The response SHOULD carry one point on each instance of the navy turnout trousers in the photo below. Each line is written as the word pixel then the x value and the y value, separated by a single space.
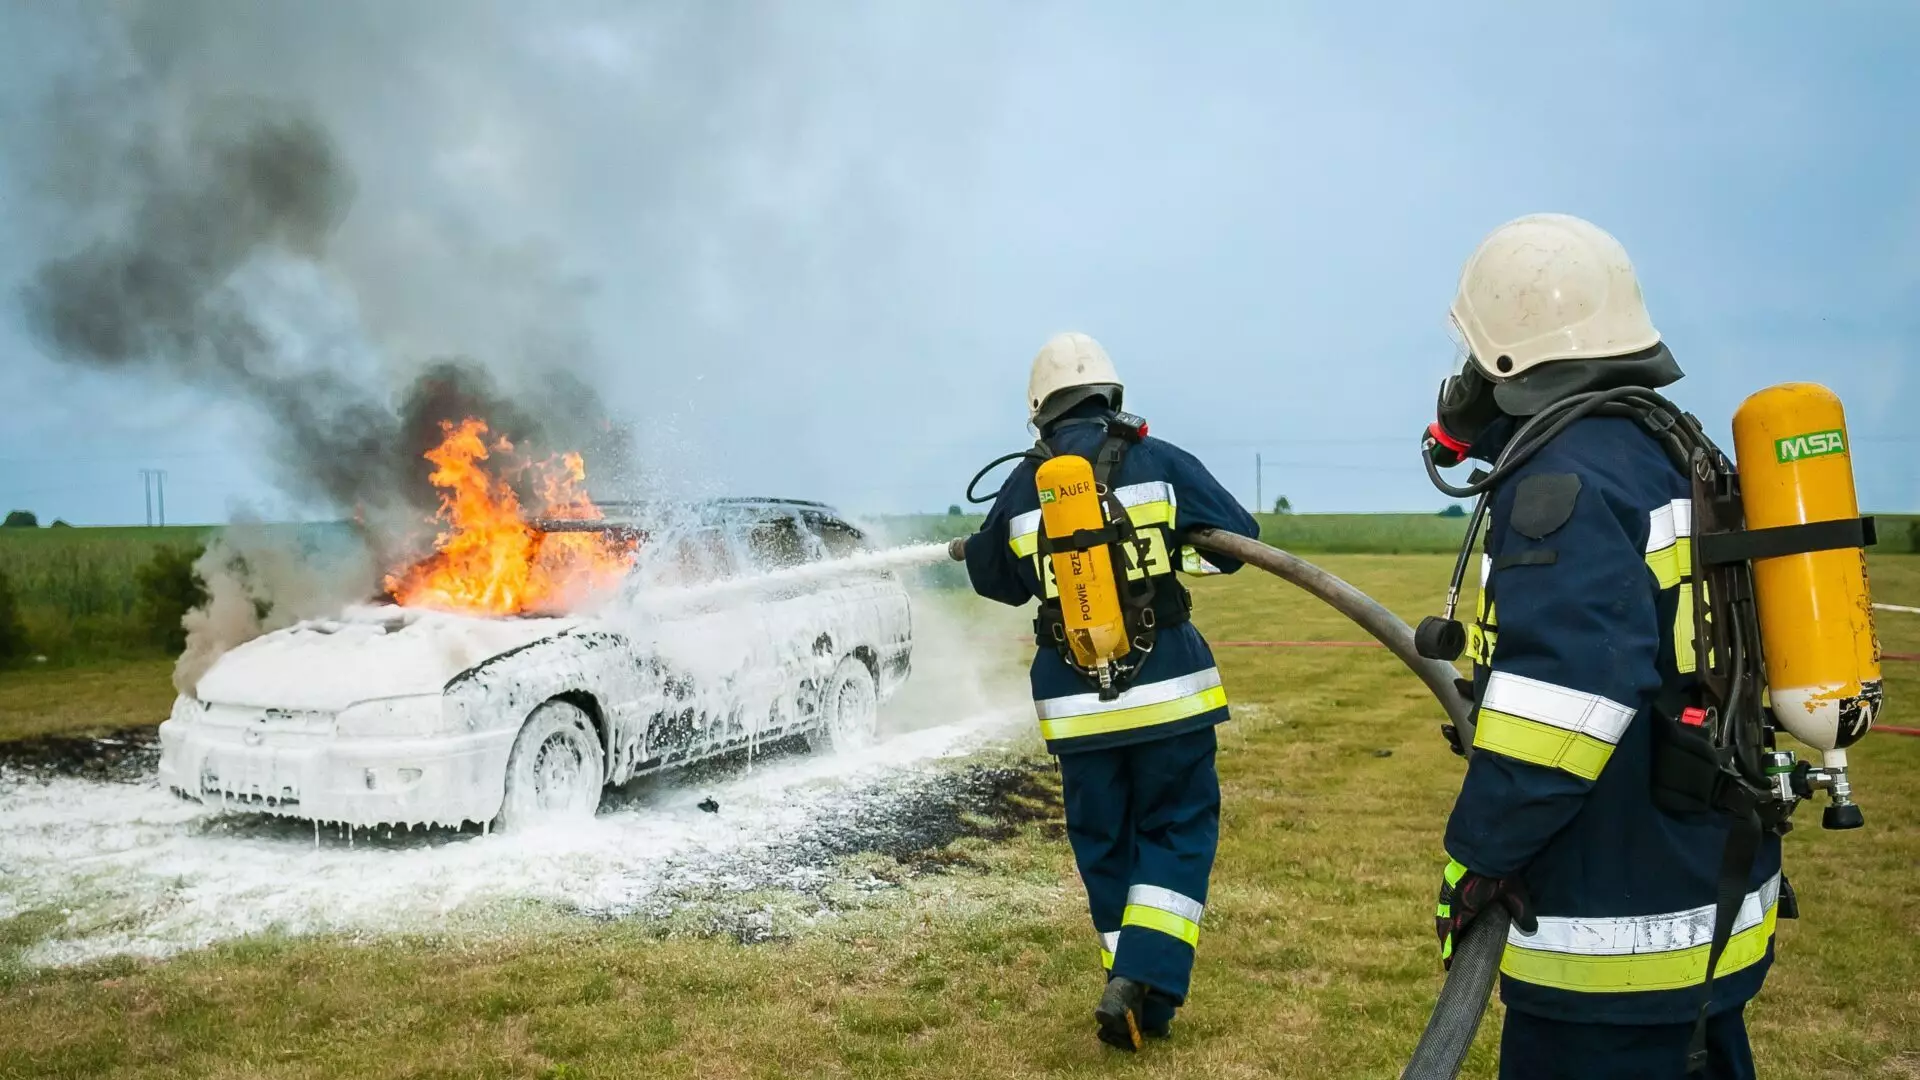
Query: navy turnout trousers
pixel 1144 821
pixel 1535 1048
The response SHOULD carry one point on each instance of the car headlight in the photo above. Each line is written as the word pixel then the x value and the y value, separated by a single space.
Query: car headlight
pixel 397 717
pixel 186 710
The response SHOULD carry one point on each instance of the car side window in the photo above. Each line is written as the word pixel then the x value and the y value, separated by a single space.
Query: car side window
pixel 777 543
pixel 838 539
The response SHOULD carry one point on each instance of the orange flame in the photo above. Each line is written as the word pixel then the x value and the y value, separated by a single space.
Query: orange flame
pixel 488 560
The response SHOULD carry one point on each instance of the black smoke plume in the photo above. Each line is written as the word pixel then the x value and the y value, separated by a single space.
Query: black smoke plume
pixel 161 291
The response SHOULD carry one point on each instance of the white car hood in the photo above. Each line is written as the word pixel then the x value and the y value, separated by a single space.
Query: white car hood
pixel 366 653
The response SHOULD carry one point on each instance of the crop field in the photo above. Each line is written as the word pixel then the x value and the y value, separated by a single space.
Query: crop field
pixel 79 592
pixel 1317 957
pixel 80 598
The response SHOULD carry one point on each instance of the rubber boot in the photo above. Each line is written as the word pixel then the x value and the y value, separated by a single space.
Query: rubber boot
pixel 1119 1013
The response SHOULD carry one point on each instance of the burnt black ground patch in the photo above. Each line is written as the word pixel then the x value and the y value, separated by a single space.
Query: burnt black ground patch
pixel 913 822
pixel 124 755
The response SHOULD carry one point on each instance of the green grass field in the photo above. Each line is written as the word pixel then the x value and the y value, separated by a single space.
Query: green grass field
pixel 1317 958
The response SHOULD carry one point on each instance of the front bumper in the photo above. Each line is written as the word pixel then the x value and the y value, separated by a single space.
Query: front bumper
pixel 429 780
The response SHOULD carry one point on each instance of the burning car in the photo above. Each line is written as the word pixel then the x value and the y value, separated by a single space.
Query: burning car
pixel 469 700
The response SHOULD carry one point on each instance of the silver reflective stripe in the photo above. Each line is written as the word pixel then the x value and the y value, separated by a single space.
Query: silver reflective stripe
pixel 1140 494
pixel 1668 523
pixel 1024 524
pixel 1486 569
pixel 1110 941
pixel 1557 706
pixel 1167 900
pixel 1154 693
pixel 1636 934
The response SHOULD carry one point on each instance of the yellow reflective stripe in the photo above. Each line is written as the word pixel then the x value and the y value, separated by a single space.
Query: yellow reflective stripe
pixel 1683 640
pixel 1158 561
pixel 1074 727
pixel 1557 706
pixel 1109 942
pixel 1669 542
pixel 1106 959
pixel 1484 634
pixel 1147 504
pixel 1676 970
pixel 1139 706
pixel 1166 922
pixel 1196 564
pixel 1158 512
pixel 1671 563
pixel 1480 644
pixel 1540 744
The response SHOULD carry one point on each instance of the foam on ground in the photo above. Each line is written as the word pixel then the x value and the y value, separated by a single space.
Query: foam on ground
pixel 134 871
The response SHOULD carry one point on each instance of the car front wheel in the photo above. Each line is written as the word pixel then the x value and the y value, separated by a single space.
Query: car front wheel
pixel 849 710
pixel 556 770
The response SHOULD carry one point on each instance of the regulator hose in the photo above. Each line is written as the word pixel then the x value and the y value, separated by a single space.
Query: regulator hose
pixel 1476 956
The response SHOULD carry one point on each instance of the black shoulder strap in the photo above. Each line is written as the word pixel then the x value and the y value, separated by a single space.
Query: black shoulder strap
pixel 1112 452
pixel 1736 867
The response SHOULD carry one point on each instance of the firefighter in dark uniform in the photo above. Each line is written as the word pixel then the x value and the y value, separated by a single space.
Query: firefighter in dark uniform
pixel 1582 649
pixel 1142 797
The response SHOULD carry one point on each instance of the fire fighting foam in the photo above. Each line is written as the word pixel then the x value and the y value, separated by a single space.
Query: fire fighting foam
pixel 134 871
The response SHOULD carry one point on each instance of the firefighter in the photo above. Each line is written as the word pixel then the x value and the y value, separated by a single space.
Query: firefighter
pixel 1583 656
pixel 1136 765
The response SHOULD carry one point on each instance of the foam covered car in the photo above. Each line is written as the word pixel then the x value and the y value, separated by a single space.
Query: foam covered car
pixel 391 715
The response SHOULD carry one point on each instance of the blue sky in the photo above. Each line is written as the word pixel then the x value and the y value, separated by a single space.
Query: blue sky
pixel 822 245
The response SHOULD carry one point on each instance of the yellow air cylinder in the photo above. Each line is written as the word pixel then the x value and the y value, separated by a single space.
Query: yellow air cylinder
pixel 1089 596
pixel 1816 617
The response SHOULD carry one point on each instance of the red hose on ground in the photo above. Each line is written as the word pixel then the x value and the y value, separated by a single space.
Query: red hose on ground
pixel 1906 657
pixel 1299 644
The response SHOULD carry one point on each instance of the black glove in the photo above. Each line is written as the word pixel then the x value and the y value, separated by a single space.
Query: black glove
pixel 1465 894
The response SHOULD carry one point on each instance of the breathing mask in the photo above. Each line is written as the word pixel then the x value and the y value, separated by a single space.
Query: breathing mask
pixel 1464 410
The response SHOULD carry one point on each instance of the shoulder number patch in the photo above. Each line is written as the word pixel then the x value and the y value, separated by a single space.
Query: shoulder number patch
pixel 1543 502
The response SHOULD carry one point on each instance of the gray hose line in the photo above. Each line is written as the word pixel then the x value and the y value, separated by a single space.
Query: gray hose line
pixel 1364 610
pixel 1463 999
pixel 1476 956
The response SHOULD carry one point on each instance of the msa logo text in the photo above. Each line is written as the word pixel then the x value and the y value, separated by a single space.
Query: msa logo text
pixel 1046 494
pixel 1816 444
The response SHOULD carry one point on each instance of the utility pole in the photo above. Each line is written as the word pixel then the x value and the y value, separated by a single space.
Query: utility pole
pixel 153 482
pixel 1259 493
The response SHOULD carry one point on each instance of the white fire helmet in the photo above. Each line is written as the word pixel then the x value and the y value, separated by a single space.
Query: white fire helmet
pixel 1549 287
pixel 1066 362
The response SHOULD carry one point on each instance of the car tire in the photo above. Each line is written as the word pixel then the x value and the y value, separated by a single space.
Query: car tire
pixel 849 710
pixel 556 769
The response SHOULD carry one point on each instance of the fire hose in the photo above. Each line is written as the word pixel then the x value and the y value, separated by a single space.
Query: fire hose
pixel 1476 956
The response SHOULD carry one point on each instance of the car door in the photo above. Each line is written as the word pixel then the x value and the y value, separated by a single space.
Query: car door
pixel 799 617
pixel 704 649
